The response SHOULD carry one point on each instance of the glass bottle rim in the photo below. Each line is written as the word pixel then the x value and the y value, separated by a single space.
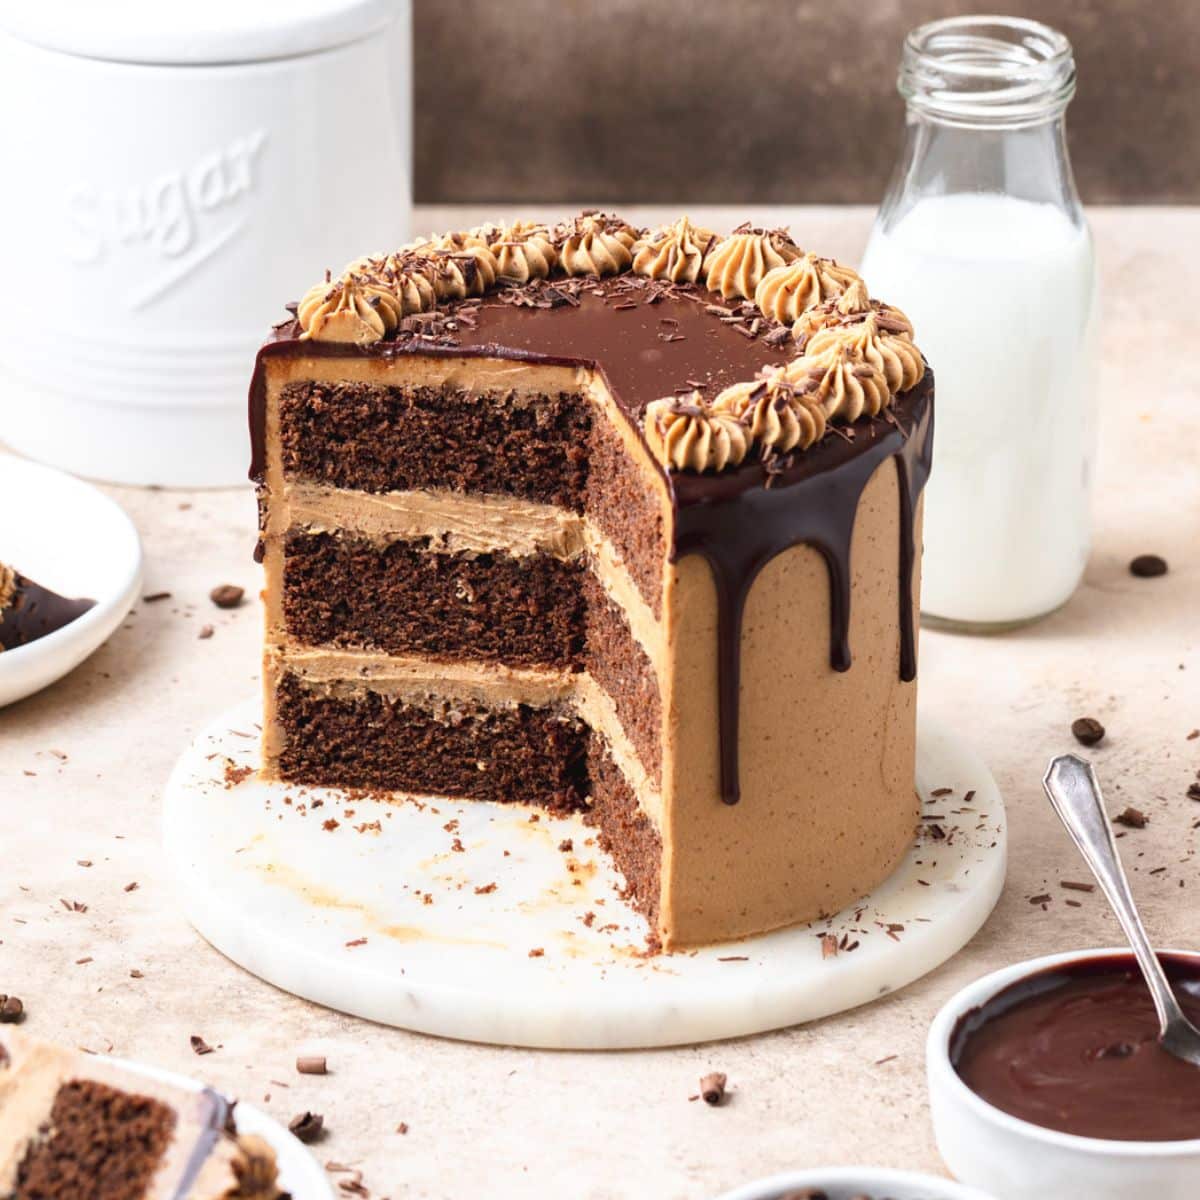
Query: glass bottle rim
pixel 987 71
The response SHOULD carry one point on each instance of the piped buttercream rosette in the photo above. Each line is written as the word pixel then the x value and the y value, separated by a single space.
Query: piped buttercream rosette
pixel 687 434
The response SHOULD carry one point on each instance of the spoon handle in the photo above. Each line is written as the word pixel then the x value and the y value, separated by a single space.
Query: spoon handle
pixel 1074 792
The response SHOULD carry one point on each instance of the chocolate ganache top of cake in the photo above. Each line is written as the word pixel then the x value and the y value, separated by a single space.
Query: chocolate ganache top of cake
pixel 764 380
pixel 818 352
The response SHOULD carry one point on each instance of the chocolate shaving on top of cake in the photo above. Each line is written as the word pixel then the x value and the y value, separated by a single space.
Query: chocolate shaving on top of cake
pixel 893 353
pixel 735 266
pixel 779 417
pixel 351 309
pixel 596 244
pixel 675 252
pixel 848 309
pixel 686 434
pixel 524 250
pixel 805 282
pixel 845 385
pixel 465 264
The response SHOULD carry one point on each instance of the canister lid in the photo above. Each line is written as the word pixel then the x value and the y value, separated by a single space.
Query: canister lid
pixel 195 32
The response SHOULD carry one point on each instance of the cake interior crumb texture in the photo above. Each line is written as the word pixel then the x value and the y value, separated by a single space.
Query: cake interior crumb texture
pixel 99 1144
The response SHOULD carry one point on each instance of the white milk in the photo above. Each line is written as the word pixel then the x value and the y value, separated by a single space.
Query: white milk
pixel 1001 293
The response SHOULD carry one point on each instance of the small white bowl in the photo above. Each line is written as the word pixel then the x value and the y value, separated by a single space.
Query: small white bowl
pixel 842 1183
pixel 1017 1160
pixel 71 538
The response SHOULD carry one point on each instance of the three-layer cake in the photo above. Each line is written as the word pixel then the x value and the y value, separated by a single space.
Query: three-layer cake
pixel 614 520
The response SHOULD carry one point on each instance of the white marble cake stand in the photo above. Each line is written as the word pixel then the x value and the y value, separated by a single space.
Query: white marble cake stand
pixel 469 920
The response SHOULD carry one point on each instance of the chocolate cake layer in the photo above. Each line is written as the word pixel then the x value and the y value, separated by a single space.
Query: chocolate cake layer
pixel 626 834
pixel 647 341
pixel 344 736
pixel 615 660
pixel 379 438
pixel 627 509
pixel 99 1144
pixel 403 598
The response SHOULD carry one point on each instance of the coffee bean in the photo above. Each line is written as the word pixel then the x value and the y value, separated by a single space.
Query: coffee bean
pixel 1148 566
pixel 227 595
pixel 1087 730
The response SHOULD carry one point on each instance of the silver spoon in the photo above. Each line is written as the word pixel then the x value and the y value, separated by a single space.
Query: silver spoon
pixel 1074 791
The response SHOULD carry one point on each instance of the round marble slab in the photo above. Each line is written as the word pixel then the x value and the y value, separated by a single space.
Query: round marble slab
pixel 498 923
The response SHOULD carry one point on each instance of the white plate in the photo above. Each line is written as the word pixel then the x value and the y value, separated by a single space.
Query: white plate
pixel 340 915
pixel 71 538
pixel 842 1183
pixel 299 1173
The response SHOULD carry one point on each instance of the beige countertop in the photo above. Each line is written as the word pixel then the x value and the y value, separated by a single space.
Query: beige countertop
pixel 82 767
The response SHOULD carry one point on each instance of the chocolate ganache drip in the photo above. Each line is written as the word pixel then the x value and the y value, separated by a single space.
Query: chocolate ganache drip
pixel 739 525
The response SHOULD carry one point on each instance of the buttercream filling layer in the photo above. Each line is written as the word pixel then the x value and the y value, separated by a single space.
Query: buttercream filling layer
pixel 451 523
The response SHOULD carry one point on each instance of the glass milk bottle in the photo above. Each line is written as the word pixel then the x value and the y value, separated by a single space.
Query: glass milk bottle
pixel 981 240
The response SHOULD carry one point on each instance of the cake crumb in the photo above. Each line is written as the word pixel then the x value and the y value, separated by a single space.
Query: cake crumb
pixel 1133 818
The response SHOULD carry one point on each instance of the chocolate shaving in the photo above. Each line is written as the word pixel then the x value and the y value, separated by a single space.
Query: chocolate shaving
pixel 712 1088
pixel 307 1126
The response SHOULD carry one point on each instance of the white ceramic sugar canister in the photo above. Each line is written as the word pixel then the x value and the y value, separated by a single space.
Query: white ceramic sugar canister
pixel 171 175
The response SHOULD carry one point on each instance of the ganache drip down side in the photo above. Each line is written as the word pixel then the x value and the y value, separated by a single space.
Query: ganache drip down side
pixel 738 530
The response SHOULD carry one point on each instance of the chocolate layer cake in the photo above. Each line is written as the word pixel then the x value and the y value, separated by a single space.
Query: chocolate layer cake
pixel 75 1127
pixel 610 520
pixel 29 611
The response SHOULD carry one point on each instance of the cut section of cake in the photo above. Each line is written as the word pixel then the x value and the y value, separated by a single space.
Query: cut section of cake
pixel 609 520
pixel 76 1127
pixel 29 611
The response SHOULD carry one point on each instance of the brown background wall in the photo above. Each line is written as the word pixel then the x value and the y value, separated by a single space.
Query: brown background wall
pixel 747 101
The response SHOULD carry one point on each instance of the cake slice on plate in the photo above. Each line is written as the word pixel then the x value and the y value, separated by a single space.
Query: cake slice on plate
pixel 29 611
pixel 76 1127
pixel 614 520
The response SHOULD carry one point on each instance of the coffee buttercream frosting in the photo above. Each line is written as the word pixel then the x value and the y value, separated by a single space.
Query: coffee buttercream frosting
pixel 736 265
pixel 675 252
pixel 595 244
pixel 779 417
pixel 523 251
pixel 686 434
pixel 893 353
pixel 351 309
pixel 787 291
pixel 845 385
pixel 847 309
pixel 465 264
